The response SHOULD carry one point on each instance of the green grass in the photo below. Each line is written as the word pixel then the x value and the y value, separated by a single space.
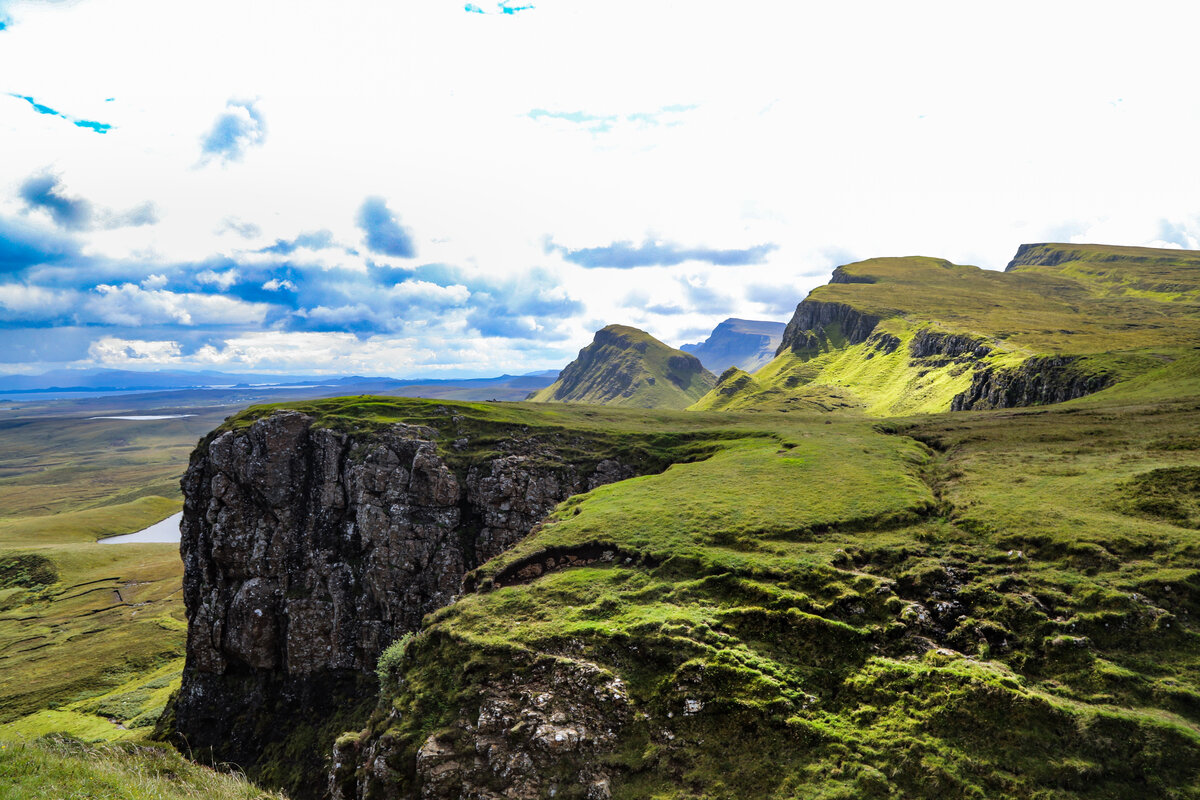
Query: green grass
pixel 57 768
pixel 100 618
pixel 1131 314
pixel 628 367
pixel 960 605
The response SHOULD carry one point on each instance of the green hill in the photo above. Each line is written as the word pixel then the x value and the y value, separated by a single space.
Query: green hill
pixel 624 366
pixel 906 335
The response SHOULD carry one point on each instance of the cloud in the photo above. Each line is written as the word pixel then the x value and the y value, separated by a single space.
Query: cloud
pixel 384 232
pixel 314 240
pixel 222 280
pixel 110 350
pixel 45 192
pixel 651 253
pixel 779 300
pixel 531 306
pixel 98 127
pixel 703 298
pixel 23 246
pixel 239 127
pixel 505 7
pixel 246 230
pixel 130 305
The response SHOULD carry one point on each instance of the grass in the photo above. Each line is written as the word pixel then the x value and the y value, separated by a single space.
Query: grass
pixel 91 621
pixel 57 767
pixel 1131 315
pixel 916 608
pixel 628 367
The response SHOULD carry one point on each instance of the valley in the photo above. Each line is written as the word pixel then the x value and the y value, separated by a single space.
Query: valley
pixel 943 543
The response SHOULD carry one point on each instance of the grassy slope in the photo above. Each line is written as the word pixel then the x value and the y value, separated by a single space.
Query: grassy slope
pixel 628 367
pixel 73 656
pixel 55 767
pixel 968 605
pixel 1126 310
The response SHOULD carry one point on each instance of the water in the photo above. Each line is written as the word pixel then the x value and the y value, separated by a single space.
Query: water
pixel 148 416
pixel 165 531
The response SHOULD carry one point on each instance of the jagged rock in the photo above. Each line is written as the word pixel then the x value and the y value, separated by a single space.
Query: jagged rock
pixel 1036 381
pixel 307 551
pixel 813 317
pixel 535 732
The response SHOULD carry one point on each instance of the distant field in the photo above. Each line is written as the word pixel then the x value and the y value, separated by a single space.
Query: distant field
pixel 91 636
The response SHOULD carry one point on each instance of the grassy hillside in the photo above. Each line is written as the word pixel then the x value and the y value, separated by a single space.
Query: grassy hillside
pixel 984 604
pixel 624 366
pixel 909 335
pixel 91 635
pixel 57 767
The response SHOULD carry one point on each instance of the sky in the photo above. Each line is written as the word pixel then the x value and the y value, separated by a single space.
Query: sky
pixel 433 188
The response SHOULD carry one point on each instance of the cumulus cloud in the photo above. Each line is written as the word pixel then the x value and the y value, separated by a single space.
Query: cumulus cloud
pixel 23 245
pixel 238 128
pixel 113 351
pixel 652 253
pixel 384 233
pixel 130 305
pixel 45 192
pixel 313 240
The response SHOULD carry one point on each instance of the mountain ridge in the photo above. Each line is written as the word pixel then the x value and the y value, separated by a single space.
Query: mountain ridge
pixel 625 366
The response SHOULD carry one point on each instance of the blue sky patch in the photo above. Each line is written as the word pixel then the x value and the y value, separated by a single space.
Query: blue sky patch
pixel 41 108
pixel 650 253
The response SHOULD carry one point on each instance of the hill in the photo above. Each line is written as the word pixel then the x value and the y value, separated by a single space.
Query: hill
pixel 624 366
pixel 743 343
pixel 915 334
pixel 994 604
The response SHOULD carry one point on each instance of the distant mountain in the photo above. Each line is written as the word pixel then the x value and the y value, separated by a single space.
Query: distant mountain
pixel 624 366
pixel 83 382
pixel 123 380
pixel 743 343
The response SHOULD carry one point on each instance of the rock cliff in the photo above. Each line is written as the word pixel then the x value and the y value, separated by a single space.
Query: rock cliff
pixel 815 319
pixel 308 550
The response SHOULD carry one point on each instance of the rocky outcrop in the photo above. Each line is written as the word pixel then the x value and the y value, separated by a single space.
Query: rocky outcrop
pixel 1036 381
pixel 931 343
pixel 307 551
pixel 810 325
pixel 540 731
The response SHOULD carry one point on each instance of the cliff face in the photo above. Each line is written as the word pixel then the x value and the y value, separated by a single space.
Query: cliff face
pixel 1036 381
pixel 745 344
pixel 307 551
pixel 815 318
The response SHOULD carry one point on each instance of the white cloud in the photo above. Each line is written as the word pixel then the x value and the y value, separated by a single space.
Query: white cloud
pixel 864 129
pixel 130 305
pixel 114 352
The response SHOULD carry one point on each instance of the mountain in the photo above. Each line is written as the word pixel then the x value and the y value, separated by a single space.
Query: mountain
pixel 743 343
pixel 916 334
pixel 624 366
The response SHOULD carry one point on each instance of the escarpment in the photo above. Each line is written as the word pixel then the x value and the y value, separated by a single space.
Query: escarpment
pixel 308 550
pixel 815 320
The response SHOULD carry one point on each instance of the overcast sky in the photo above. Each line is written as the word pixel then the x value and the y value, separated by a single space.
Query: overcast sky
pixel 446 189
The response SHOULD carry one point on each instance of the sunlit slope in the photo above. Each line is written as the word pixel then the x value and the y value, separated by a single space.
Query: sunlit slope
pixel 996 605
pixel 624 366
pixel 910 335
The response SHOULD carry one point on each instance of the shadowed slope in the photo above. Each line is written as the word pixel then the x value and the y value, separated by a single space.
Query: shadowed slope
pixel 624 366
